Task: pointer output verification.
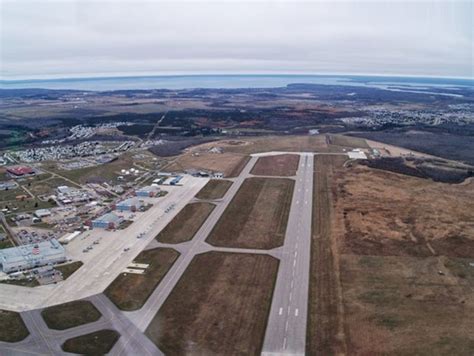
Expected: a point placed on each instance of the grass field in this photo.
(402, 305)
(45, 186)
(257, 216)
(186, 223)
(325, 322)
(235, 171)
(281, 165)
(13, 328)
(130, 291)
(214, 189)
(69, 315)
(68, 269)
(96, 343)
(219, 306)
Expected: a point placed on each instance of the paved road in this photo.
(142, 318)
(286, 329)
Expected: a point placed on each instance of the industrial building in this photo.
(20, 171)
(31, 256)
(107, 221)
(42, 213)
(149, 191)
(131, 204)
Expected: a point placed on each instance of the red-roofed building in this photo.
(19, 171)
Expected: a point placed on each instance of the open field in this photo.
(386, 213)
(325, 322)
(201, 159)
(69, 315)
(130, 291)
(45, 186)
(281, 165)
(347, 141)
(257, 215)
(13, 328)
(390, 257)
(279, 143)
(214, 189)
(219, 306)
(186, 223)
(402, 305)
(96, 343)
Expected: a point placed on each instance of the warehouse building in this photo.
(20, 171)
(42, 213)
(31, 256)
(107, 221)
(131, 204)
(149, 191)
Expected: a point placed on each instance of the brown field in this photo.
(228, 163)
(281, 165)
(257, 215)
(69, 315)
(186, 223)
(13, 328)
(96, 343)
(390, 272)
(325, 334)
(392, 214)
(214, 189)
(130, 291)
(219, 306)
(347, 141)
(280, 143)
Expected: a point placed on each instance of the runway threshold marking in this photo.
(281, 311)
(296, 312)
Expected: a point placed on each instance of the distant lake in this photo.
(236, 81)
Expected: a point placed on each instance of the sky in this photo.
(87, 38)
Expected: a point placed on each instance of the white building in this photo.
(31, 256)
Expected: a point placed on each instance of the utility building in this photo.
(31, 256)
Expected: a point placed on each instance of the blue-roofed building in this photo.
(130, 204)
(107, 221)
(149, 191)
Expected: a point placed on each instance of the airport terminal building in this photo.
(31, 256)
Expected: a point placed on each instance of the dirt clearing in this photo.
(184, 226)
(281, 165)
(257, 215)
(219, 306)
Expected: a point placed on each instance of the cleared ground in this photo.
(130, 291)
(390, 257)
(96, 343)
(214, 189)
(281, 165)
(69, 315)
(257, 215)
(186, 223)
(219, 306)
(12, 329)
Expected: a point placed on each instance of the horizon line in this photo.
(275, 74)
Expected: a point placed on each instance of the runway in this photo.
(286, 329)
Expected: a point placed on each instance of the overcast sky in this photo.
(43, 39)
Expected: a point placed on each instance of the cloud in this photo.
(83, 38)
